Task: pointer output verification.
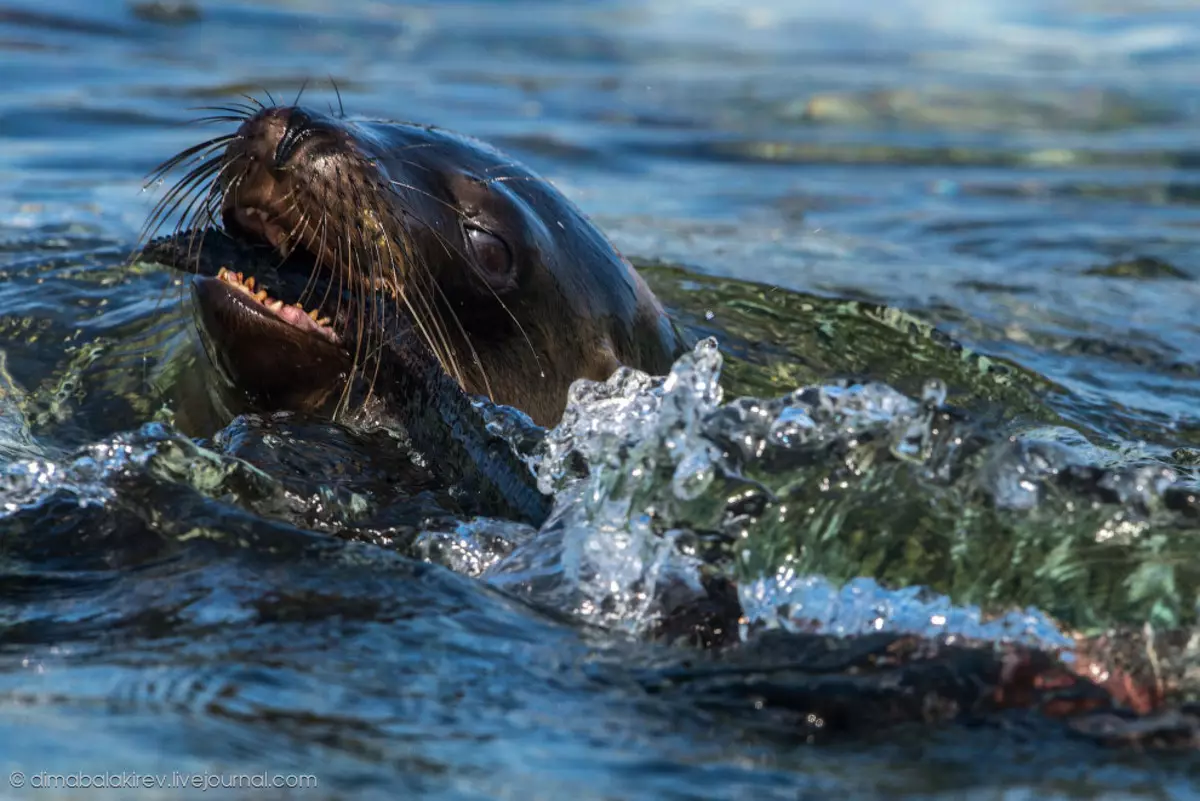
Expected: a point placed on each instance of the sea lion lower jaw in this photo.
(515, 293)
(266, 355)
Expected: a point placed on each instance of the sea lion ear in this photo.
(492, 259)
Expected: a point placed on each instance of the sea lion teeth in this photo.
(312, 314)
(261, 295)
(250, 283)
(275, 305)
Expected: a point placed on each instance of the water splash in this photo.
(846, 508)
(863, 606)
(627, 456)
(843, 508)
(88, 475)
(472, 547)
(96, 475)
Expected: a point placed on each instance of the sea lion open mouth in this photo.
(513, 290)
(293, 315)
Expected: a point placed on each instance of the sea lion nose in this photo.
(274, 135)
(298, 128)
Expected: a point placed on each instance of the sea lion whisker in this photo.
(372, 318)
(354, 305)
(342, 278)
(255, 101)
(374, 353)
(436, 340)
(191, 185)
(451, 352)
(245, 109)
(425, 318)
(178, 285)
(474, 354)
(376, 274)
(207, 145)
(324, 228)
(448, 362)
(295, 236)
(300, 94)
(219, 190)
(524, 334)
(215, 118)
(198, 172)
(450, 248)
(442, 349)
(457, 211)
(239, 111)
(505, 165)
(441, 346)
(212, 197)
(347, 387)
(355, 256)
(217, 197)
(417, 165)
(288, 242)
(345, 287)
(414, 146)
(317, 229)
(232, 187)
(178, 195)
(518, 172)
(199, 151)
(338, 93)
(216, 173)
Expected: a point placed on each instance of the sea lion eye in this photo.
(491, 254)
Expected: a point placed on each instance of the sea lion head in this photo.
(515, 292)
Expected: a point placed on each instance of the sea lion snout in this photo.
(281, 138)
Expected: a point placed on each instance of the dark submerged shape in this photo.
(392, 229)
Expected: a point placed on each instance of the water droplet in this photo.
(934, 392)
(693, 474)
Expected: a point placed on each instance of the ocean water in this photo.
(809, 184)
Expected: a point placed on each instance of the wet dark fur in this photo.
(515, 293)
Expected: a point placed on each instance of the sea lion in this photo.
(514, 291)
